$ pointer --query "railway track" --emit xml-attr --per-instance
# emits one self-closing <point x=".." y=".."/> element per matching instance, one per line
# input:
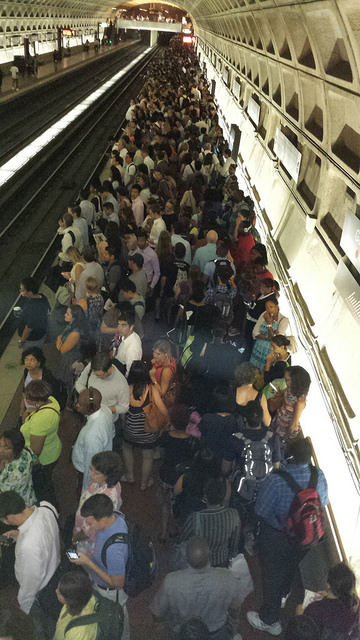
<point x="28" y="240"/>
<point x="21" y="121"/>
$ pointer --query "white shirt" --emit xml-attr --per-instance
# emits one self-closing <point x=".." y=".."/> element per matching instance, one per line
<point x="129" y="115"/>
<point x="129" y="172"/>
<point x="88" y="212"/>
<point x="175" y="238"/>
<point x="95" y="436"/>
<point x="137" y="206"/>
<point x="37" y="553"/>
<point x="91" y="270"/>
<point x="158" y="226"/>
<point x="82" y="226"/>
<point x="130" y="349"/>
<point x="14" y="72"/>
<point x="224" y="171"/>
<point x="138" y="159"/>
<point x="67" y="241"/>
<point x="149" y="163"/>
<point x="114" y="389"/>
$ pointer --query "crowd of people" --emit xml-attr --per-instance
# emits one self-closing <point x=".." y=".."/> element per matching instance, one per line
<point x="167" y="342"/>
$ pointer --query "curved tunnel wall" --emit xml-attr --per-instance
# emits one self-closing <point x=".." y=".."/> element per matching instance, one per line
<point x="298" y="62"/>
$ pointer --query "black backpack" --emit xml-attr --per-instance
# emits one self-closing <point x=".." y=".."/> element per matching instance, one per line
<point x="256" y="464"/>
<point x="141" y="564"/>
<point x="223" y="304"/>
<point x="109" y="617"/>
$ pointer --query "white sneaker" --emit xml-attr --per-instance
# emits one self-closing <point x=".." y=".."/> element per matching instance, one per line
<point x="254" y="619"/>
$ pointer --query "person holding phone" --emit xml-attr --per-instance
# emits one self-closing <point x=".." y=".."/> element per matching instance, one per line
<point x="37" y="552"/>
<point x="106" y="573"/>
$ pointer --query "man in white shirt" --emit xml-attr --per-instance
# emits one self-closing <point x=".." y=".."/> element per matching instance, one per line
<point x="137" y="204"/>
<point x="130" y="347"/>
<point x="122" y="148"/>
<point x="151" y="260"/>
<point x="130" y="113"/>
<point x="88" y="210"/>
<point x="80" y="223"/>
<point x="71" y="237"/>
<point x="158" y="224"/>
<point x="109" y="214"/>
<point x="107" y="196"/>
<point x="37" y="550"/>
<point x="149" y="162"/>
<point x="96" y="435"/>
<point x="224" y="171"/>
<point x="130" y="169"/>
<point x="14" y="70"/>
<point x="108" y="380"/>
<point x="177" y="237"/>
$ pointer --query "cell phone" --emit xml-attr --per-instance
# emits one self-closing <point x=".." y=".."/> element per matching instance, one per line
<point x="72" y="555"/>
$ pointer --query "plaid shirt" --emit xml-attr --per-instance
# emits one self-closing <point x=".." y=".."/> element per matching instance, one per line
<point x="220" y="288"/>
<point x="275" y="496"/>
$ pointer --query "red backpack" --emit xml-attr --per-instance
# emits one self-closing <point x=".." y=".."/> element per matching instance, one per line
<point x="305" y="520"/>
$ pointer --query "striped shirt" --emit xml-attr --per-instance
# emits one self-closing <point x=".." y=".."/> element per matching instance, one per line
<point x="134" y="431"/>
<point x="221" y="528"/>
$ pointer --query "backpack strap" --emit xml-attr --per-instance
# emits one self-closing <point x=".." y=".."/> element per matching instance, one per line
<point x="90" y="618"/>
<point x="116" y="538"/>
<point x="267" y="437"/>
<point x="290" y="481"/>
<point x="239" y="435"/>
<point x="80" y="621"/>
<point x="87" y="379"/>
<point x="313" y="477"/>
<point x="72" y="236"/>
<point x="46" y="407"/>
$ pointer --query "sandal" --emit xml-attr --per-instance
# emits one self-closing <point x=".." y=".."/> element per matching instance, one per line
<point x="147" y="485"/>
<point x="126" y="478"/>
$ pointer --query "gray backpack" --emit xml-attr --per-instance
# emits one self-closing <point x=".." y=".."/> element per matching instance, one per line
<point x="256" y="464"/>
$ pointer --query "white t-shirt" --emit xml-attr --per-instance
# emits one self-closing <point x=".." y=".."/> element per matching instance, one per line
<point x="14" y="72"/>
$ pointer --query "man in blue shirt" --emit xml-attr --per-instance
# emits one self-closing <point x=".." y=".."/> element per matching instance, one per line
<point x="109" y="579"/>
<point x="279" y="557"/>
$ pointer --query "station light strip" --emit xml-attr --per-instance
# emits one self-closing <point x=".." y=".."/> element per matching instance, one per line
<point x="9" y="169"/>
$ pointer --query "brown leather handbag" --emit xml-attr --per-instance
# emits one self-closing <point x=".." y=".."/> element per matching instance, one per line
<point x="155" y="421"/>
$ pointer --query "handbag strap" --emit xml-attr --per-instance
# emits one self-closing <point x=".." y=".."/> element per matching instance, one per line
<point x="197" y="523"/>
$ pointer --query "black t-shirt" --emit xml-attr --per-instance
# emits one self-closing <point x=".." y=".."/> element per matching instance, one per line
<point x="216" y="430"/>
<point x="177" y="451"/>
<point x="34" y="316"/>
<point x="234" y="445"/>
<point x="169" y="270"/>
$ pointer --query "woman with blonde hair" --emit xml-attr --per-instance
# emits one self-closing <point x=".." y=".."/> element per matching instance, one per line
<point x="78" y="263"/>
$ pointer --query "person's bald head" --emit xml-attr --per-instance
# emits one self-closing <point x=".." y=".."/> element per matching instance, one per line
<point x="197" y="552"/>
<point x="89" y="401"/>
<point x="211" y="237"/>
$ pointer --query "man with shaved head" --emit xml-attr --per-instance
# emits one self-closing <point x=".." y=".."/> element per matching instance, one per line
<point x="95" y="436"/>
<point x="202" y="591"/>
<point x="204" y="254"/>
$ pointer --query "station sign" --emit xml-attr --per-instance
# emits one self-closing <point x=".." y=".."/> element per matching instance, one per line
<point x="68" y="33"/>
<point x="188" y="39"/>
